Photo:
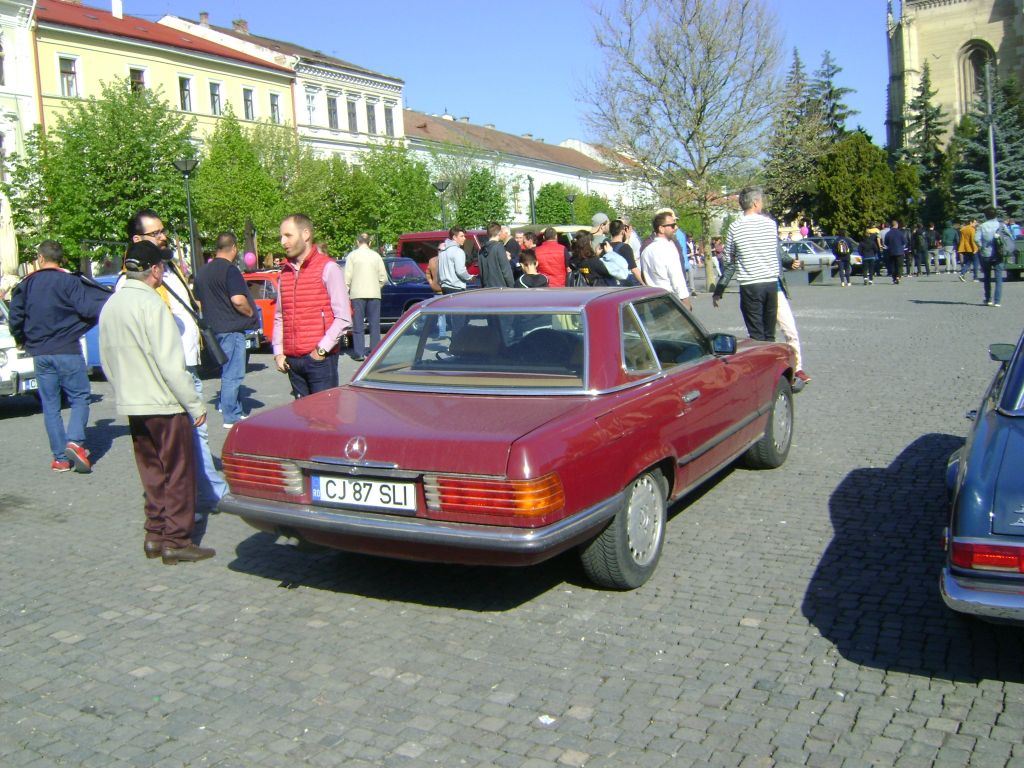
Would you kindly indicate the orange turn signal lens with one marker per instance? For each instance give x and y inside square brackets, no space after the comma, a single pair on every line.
[537,498]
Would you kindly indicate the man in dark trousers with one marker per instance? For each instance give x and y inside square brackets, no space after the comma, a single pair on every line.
[228,310]
[51,310]
[895,243]
[495,267]
[144,361]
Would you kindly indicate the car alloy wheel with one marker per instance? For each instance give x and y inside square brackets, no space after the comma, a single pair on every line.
[644,520]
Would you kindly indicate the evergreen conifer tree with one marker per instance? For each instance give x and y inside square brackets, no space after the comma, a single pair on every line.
[925,129]
[829,96]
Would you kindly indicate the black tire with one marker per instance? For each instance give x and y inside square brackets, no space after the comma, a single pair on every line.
[772,449]
[626,552]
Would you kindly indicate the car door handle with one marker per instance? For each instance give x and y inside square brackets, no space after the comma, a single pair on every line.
[690,396]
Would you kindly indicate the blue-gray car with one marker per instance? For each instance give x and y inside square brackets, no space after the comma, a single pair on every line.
[984,572]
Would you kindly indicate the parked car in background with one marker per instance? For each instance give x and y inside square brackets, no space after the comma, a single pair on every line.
[984,571]
[813,255]
[499,427]
[407,285]
[826,242]
[421,247]
[17,373]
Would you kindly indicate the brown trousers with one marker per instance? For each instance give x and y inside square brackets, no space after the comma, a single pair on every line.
[164,455]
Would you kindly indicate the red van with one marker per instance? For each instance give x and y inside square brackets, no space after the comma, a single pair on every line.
[421,247]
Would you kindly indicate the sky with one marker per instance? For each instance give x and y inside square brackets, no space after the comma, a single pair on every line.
[529,75]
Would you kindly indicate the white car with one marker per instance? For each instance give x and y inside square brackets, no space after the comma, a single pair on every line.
[811,254]
[17,373]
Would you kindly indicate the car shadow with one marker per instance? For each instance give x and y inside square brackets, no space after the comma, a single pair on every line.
[875,594]
[13,406]
[468,588]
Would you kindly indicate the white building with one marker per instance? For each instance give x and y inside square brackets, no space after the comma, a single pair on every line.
[519,160]
[341,108]
[19,98]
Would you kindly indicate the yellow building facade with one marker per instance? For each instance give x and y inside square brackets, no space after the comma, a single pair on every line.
[78,48]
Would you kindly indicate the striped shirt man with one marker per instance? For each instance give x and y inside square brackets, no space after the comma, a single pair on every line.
[751,253]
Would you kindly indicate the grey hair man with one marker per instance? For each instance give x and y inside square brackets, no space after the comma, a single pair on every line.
[751,254]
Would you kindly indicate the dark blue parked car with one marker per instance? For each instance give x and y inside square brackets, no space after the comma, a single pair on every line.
[984,573]
[406,286]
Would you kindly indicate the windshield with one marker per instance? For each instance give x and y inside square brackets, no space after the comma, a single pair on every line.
[403,270]
[500,351]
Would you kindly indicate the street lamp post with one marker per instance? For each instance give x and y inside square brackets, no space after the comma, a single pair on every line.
[571,200]
[441,186]
[186,166]
[533,202]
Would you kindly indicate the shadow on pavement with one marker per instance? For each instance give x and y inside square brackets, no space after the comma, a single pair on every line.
[101,435]
[948,303]
[470,588]
[875,592]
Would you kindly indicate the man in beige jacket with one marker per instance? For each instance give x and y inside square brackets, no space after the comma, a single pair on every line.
[365,275]
[142,357]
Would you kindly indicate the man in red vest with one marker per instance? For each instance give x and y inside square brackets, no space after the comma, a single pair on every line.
[552,259]
[312,311]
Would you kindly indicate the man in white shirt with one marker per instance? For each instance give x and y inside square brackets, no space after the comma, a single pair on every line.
[659,261]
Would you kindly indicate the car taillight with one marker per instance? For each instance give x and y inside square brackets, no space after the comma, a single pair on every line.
[515,502]
[261,474]
[988,557]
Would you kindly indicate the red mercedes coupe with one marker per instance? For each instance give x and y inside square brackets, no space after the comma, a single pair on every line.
[505,426]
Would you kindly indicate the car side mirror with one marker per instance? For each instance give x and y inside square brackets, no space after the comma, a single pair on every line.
[1001,353]
[723,344]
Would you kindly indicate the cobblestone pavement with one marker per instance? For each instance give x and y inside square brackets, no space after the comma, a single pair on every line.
[794,618]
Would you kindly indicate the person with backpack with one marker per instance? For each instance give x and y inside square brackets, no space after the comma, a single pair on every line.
[841,250]
[995,245]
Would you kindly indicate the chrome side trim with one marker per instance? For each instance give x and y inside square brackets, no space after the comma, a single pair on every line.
[426,532]
[718,439]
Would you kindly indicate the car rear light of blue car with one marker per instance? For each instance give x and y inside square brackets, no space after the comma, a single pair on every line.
[1000,558]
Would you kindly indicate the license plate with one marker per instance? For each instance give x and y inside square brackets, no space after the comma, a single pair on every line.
[250,343]
[27,385]
[364,494]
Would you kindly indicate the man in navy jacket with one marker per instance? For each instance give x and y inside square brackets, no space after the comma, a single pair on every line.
[51,310]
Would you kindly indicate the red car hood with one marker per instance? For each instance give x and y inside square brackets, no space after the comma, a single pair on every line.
[418,431]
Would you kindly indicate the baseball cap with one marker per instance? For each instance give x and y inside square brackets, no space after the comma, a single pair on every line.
[142,255]
[598,219]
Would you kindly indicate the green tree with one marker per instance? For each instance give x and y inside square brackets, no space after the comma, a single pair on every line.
[103,160]
[797,141]
[590,203]
[855,185]
[232,187]
[552,207]
[906,190]
[483,199]
[925,130]
[26,190]
[971,178]
[829,96]
[390,193]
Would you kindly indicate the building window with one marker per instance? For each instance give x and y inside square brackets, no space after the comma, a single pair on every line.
[185,93]
[137,80]
[68,78]
[275,108]
[974,58]
[389,121]
[332,112]
[371,117]
[215,108]
[352,122]
[248,105]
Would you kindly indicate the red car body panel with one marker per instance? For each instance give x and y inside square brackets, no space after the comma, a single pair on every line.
[690,421]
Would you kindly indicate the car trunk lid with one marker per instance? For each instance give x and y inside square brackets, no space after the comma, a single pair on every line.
[456,433]
[1008,498]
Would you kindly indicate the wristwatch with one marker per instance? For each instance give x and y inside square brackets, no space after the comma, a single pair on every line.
[321,351]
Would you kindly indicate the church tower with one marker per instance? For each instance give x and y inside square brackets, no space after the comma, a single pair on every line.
[957,38]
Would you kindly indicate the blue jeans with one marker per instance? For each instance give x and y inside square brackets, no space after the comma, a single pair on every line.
[974,264]
[370,310]
[210,484]
[309,376]
[67,373]
[992,271]
[231,375]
